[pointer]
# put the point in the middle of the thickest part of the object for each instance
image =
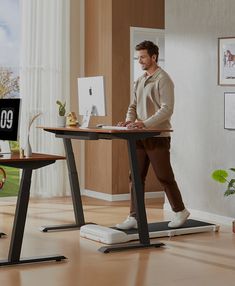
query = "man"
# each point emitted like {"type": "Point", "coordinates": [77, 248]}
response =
{"type": "Point", "coordinates": [152, 107]}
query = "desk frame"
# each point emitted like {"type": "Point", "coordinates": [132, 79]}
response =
{"type": "Point", "coordinates": [75, 191]}
{"type": "Point", "coordinates": [131, 136]}
{"type": "Point", "coordinates": [27, 165]}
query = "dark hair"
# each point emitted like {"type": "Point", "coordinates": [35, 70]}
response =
{"type": "Point", "coordinates": [151, 48]}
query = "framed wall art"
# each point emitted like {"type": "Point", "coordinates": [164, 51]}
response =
{"type": "Point", "coordinates": [226, 61]}
{"type": "Point", "coordinates": [229, 110]}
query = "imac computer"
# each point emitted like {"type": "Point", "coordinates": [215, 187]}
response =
{"type": "Point", "coordinates": [91, 98]}
{"type": "Point", "coordinates": [9, 121]}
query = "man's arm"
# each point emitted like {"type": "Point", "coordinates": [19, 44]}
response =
{"type": "Point", "coordinates": [131, 112]}
{"type": "Point", "coordinates": [166, 92]}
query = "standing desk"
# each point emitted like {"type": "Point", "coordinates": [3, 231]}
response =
{"type": "Point", "coordinates": [27, 164]}
{"type": "Point", "coordinates": [131, 136]}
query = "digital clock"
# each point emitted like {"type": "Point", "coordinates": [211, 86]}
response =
{"type": "Point", "coordinates": [6, 118]}
{"type": "Point", "coordinates": [9, 118]}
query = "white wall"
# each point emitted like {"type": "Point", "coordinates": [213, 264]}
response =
{"type": "Point", "coordinates": [200, 143]}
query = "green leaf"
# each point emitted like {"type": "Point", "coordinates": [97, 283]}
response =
{"type": "Point", "coordinates": [231, 183]}
{"type": "Point", "coordinates": [232, 169]}
{"type": "Point", "coordinates": [219, 176]}
{"type": "Point", "coordinates": [229, 192]}
{"type": "Point", "coordinates": [62, 109]}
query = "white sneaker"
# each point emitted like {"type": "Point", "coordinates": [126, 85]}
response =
{"type": "Point", "coordinates": [179, 219]}
{"type": "Point", "coordinates": [129, 223]}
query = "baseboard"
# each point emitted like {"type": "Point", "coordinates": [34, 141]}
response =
{"type": "Point", "coordinates": [94, 194]}
{"type": "Point", "coordinates": [120, 197]}
{"type": "Point", "coordinates": [205, 216]}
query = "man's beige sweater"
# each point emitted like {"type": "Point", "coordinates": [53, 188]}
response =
{"type": "Point", "coordinates": [153, 101]}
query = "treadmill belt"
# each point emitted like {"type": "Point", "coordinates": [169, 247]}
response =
{"type": "Point", "coordinates": [161, 226]}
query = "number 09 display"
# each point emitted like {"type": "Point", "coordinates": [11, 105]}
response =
{"type": "Point", "coordinates": [9, 118]}
{"type": "Point", "coordinates": [6, 119]}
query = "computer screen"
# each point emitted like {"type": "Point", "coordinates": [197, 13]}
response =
{"type": "Point", "coordinates": [9, 118]}
{"type": "Point", "coordinates": [91, 97]}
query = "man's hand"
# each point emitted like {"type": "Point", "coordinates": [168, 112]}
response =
{"type": "Point", "coordinates": [136, 124]}
{"type": "Point", "coordinates": [124, 123]}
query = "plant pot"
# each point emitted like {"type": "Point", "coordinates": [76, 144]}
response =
{"type": "Point", "coordinates": [61, 121]}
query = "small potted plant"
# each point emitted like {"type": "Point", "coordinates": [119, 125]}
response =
{"type": "Point", "coordinates": [222, 176]}
{"type": "Point", "coordinates": [62, 110]}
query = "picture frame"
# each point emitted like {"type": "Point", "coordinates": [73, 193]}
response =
{"type": "Point", "coordinates": [229, 110]}
{"type": "Point", "coordinates": [226, 61]}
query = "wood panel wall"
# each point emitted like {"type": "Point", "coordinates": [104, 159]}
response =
{"type": "Point", "coordinates": [75, 72]}
{"type": "Point", "coordinates": [107, 52]}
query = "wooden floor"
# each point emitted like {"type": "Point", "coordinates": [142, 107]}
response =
{"type": "Point", "coordinates": [194, 259]}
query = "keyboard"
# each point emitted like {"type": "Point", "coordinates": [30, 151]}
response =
{"type": "Point", "coordinates": [115, 127]}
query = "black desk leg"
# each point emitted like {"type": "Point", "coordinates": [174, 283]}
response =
{"type": "Point", "coordinates": [75, 191]}
{"type": "Point", "coordinates": [138, 194]}
{"type": "Point", "coordinates": [139, 206]}
{"type": "Point", "coordinates": [19, 225]}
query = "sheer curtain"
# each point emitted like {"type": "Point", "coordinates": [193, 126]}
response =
{"type": "Point", "coordinates": [44, 78]}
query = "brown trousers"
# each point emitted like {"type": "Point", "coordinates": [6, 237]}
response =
{"type": "Point", "coordinates": [157, 152]}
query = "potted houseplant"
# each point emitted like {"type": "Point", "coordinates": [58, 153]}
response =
{"type": "Point", "coordinates": [61, 119]}
{"type": "Point", "coordinates": [222, 176]}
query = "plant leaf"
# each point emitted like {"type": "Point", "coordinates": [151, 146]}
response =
{"type": "Point", "coordinates": [231, 184]}
{"type": "Point", "coordinates": [229, 192]}
{"type": "Point", "coordinates": [232, 169]}
{"type": "Point", "coordinates": [219, 176]}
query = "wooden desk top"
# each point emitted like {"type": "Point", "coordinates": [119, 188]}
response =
{"type": "Point", "coordinates": [101, 130]}
{"type": "Point", "coordinates": [15, 157]}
